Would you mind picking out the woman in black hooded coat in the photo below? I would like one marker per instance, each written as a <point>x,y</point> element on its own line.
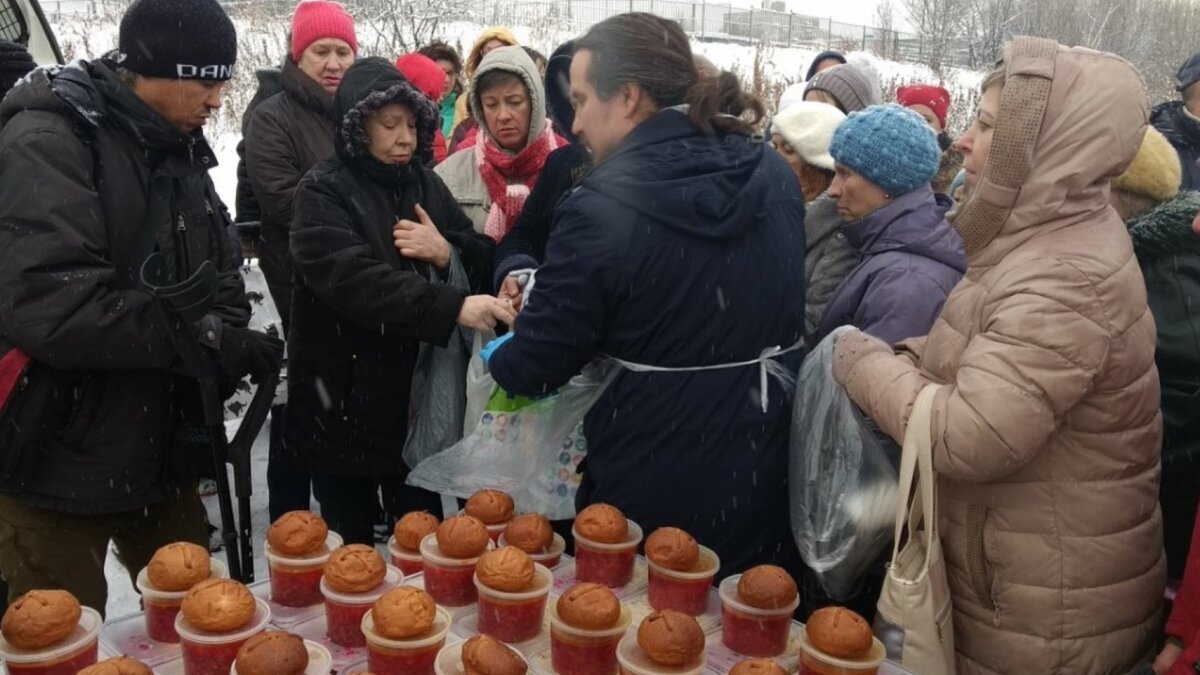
<point>371,243</point>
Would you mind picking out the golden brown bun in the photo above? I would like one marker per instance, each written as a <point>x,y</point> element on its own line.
<point>355,568</point>
<point>589,607</point>
<point>120,665</point>
<point>670,638</point>
<point>414,527</point>
<point>179,566</point>
<point>529,532</point>
<point>603,524</point>
<point>507,569</point>
<point>767,587</point>
<point>485,655</point>
<point>462,537</point>
<point>39,619</point>
<point>298,533</point>
<point>839,632</point>
<point>492,507</point>
<point>404,613</point>
<point>273,653</point>
<point>757,667</point>
<point>218,605</point>
<point>672,548</point>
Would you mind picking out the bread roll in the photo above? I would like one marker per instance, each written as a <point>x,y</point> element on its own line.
<point>218,606</point>
<point>672,548</point>
<point>485,655</point>
<point>414,527</point>
<point>40,619</point>
<point>767,587</point>
<point>589,607</point>
<point>839,632</point>
<point>179,566</point>
<point>273,653</point>
<point>603,524</point>
<point>404,613</point>
<point>670,638</point>
<point>121,665</point>
<point>530,532</point>
<point>492,507</point>
<point>462,537</point>
<point>298,533</point>
<point>355,568</point>
<point>508,569</point>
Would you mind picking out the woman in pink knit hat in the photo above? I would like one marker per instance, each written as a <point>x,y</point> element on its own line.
<point>285,136</point>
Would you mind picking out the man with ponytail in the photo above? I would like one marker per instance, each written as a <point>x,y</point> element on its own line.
<point>678,256</point>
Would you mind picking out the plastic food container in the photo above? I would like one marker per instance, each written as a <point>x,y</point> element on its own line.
<point>449,581</point>
<point>551,557</point>
<point>162,606</point>
<point>405,657</point>
<point>608,564</point>
<point>408,562</point>
<point>813,662</point>
<point>515,617</point>
<point>576,651</point>
<point>344,611</point>
<point>750,631</point>
<point>685,592</point>
<point>635,662</point>
<point>207,653</point>
<point>296,581</point>
<point>449,662</point>
<point>77,651</point>
<point>320,661</point>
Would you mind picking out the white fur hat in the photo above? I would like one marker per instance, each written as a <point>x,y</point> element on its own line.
<point>808,127</point>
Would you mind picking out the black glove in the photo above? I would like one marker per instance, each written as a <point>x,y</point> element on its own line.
<point>249,352</point>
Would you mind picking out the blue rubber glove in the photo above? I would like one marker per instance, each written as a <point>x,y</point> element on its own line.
<point>491,347</point>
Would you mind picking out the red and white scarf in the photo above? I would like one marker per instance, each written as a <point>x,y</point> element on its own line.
<point>509,178</point>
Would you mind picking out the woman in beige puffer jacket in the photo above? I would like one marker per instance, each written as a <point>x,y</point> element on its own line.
<point>1046,435</point>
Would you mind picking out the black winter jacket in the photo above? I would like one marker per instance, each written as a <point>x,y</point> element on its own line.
<point>681,250</point>
<point>360,309</point>
<point>1184,134</point>
<point>87,166</point>
<point>270,82</point>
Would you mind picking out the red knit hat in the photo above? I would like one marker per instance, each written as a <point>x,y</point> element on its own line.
<point>933,97</point>
<point>318,19</point>
<point>425,74</point>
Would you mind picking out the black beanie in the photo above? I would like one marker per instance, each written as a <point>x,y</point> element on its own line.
<point>178,40</point>
<point>15,63</point>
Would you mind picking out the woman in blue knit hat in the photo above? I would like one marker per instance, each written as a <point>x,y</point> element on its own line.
<point>909,256</point>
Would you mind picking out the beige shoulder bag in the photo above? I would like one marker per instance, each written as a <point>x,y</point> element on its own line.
<point>914,620</point>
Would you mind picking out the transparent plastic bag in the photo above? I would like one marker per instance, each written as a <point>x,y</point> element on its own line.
<point>529,448</point>
<point>842,479</point>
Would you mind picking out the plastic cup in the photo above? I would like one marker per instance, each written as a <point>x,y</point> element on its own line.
<point>450,662</point>
<point>635,662</point>
<point>405,657</point>
<point>162,606</point>
<point>320,661</point>
<point>75,652</point>
<point>577,651</point>
<point>207,653</point>
<point>296,580</point>
<point>408,562</point>
<point>449,581</point>
<point>607,564</point>
<point>813,662</point>
<point>551,557</point>
<point>344,611</point>
<point>515,617</point>
<point>685,592</point>
<point>750,631</point>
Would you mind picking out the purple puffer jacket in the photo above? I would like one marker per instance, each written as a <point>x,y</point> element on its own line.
<point>909,260</point>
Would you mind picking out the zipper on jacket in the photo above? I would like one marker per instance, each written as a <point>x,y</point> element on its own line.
<point>185,265</point>
<point>977,564</point>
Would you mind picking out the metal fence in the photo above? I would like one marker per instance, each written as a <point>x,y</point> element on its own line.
<point>703,20</point>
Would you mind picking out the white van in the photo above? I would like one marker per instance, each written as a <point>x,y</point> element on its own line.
<point>23,21</point>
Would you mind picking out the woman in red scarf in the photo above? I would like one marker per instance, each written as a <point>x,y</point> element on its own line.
<point>492,179</point>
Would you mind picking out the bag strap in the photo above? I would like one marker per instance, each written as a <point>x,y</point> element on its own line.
<point>916,468</point>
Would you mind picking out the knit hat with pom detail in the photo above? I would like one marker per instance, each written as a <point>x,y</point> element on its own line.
<point>178,40</point>
<point>1155,172</point>
<point>889,146</point>
<point>317,20</point>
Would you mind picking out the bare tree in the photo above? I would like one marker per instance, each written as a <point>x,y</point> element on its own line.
<point>392,28</point>
<point>939,22</point>
<point>885,30</point>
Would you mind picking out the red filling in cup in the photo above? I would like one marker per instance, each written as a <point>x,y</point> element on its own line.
<point>635,662</point>
<point>162,606</point>
<point>206,653</point>
<point>750,631</point>
<point>685,592</point>
<point>813,662</point>
<point>578,651</point>
<point>405,657</point>
<point>408,562</point>
<point>344,611</point>
<point>296,580</point>
<point>607,564</point>
<point>77,651</point>
<point>515,617</point>
<point>449,581</point>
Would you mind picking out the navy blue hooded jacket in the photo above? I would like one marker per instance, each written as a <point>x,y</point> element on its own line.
<point>681,250</point>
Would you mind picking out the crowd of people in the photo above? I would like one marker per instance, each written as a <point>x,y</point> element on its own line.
<point>626,199</point>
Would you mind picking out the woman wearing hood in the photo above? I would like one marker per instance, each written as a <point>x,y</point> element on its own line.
<point>1046,430</point>
<point>909,258</point>
<point>492,179</point>
<point>377,237</point>
<point>489,40</point>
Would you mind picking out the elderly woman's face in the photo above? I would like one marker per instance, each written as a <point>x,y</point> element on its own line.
<point>392,132</point>
<point>856,196</point>
<point>507,112</point>
<point>976,144</point>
